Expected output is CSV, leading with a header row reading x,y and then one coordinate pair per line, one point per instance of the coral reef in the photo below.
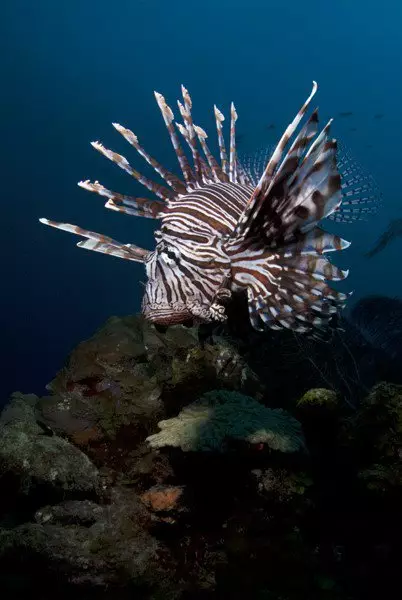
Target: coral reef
x,y
210,423
159,467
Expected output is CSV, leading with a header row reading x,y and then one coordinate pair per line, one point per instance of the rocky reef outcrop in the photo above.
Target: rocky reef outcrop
x,y
159,467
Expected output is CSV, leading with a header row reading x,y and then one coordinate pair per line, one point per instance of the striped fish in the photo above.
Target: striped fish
x,y
222,232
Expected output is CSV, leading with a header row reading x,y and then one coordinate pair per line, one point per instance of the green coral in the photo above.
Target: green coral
x,y
319,397
208,423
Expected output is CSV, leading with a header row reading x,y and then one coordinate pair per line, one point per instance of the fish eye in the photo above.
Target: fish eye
x,y
169,254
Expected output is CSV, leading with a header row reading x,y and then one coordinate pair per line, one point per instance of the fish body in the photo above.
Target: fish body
x,y
224,231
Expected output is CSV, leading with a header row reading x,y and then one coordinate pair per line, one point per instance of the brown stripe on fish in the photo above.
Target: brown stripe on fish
x,y
217,206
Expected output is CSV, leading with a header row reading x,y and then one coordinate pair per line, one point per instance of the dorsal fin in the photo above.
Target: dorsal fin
x,y
171,179
168,117
185,112
122,162
219,118
139,207
232,153
215,168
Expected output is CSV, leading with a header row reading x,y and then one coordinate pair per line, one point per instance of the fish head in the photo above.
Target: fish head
x,y
176,291
167,297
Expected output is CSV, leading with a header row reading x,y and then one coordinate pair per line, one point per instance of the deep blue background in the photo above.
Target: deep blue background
x,y
70,68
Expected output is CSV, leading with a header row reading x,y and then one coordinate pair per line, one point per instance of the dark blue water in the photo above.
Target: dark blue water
x,y
68,69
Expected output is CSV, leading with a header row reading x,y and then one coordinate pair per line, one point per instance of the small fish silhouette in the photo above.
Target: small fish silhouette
x,y
393,231
378,116
345,114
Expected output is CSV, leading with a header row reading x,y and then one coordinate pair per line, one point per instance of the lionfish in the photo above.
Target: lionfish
x,y
226,230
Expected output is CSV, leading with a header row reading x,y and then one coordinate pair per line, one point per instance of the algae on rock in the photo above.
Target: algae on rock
x,y
113,545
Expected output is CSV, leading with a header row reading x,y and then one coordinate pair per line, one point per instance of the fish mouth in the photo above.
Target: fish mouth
x,y
163,328
166,315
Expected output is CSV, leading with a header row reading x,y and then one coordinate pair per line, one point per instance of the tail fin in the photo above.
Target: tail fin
x,y
361,196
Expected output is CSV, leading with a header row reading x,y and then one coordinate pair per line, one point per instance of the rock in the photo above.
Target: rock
x,y
94,494
383,478
73,512
35,458
128,374
374,431
70,417
219,366
115,550
107,384
377,424
20,412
